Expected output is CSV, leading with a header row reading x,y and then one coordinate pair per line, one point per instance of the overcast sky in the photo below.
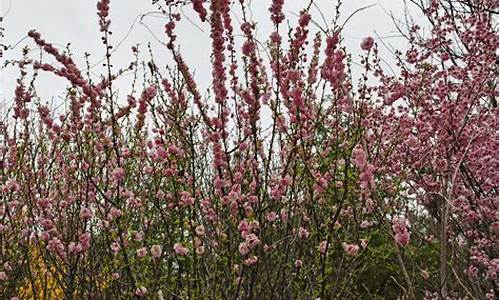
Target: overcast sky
x,y
75,21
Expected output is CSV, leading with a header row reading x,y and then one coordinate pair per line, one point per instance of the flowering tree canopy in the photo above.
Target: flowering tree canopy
x,y
290,178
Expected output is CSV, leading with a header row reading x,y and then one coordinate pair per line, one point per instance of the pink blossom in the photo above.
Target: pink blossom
x,y
198,7
276,8
271,216
322,247
151,91
156,251
359,156
114,213
402,238
284,215
55,245
180,249
243,226
197,242
71,247
134,202
218,183
251,260
246,27
85,213
47,224
84,241
139,236
115,247
303,233
172,149
304,19
365,224
472,272
161,152
275,37
141,252
200,250
248,48
243,248
401,234
367,43
127,194
141,291
252,240
118,174
186,199
276,193
350,249
7,267
298,263
200,230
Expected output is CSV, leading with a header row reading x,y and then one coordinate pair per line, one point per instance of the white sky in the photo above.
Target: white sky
x,y
75,21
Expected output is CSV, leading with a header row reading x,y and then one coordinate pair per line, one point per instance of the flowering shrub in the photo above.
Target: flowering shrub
x,y
290,179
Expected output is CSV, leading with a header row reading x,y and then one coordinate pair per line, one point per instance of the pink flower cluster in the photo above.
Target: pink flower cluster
x,y
351,249
367,43
366,178
103,12
401,234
